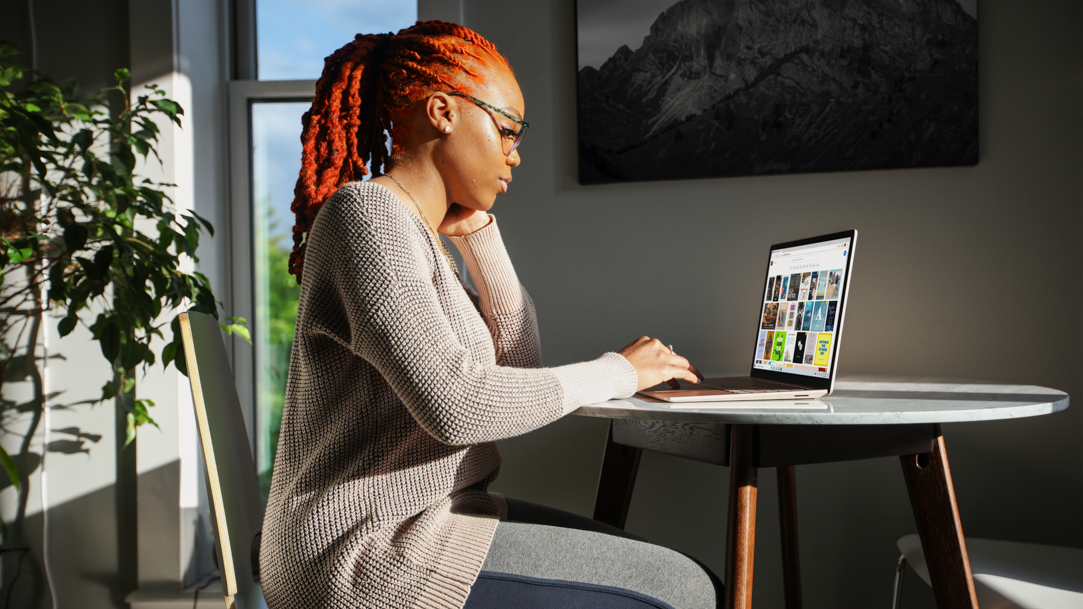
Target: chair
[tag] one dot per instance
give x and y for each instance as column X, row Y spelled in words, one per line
column 228, row 467
column 1009, row 574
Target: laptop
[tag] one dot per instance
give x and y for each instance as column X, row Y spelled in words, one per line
column 798, row 328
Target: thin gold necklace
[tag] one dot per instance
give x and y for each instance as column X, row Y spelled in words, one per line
column 425, row 219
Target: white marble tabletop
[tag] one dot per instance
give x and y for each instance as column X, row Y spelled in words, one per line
column 857, row 401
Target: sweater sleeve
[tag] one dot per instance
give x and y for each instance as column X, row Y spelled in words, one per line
column 382, row 280
column 504, row 303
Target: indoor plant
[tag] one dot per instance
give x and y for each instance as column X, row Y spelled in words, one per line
column 85, row 241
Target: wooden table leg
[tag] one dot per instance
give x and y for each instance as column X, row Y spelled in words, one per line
column 932, row 496
column 741, row 520
column 618, row 477
column 787, row 512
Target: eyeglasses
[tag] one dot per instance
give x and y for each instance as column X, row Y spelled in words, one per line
column 507, row 135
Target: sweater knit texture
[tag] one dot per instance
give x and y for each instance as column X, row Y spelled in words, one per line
column 401, row 380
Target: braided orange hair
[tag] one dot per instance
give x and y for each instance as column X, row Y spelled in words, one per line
column 364, row 84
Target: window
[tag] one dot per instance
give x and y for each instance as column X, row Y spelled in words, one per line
column 292, row 38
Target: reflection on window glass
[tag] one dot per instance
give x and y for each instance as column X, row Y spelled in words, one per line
column 276, row 161
column 294, row 36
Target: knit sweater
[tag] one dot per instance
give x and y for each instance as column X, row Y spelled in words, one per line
column 401, row 378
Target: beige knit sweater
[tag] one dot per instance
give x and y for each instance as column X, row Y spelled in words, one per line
column 400, row 381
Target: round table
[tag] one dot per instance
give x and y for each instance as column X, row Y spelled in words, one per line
column 863, row 418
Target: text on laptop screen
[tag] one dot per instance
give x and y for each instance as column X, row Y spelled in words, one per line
column 801, row 308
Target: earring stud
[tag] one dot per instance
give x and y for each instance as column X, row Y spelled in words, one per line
column 447, row 128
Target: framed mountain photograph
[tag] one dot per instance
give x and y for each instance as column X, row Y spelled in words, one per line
column 712, row 88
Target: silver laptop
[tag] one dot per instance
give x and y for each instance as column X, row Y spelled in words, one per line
column 798, row 329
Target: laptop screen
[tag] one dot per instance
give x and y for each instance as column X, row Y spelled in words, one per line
column 802, row 308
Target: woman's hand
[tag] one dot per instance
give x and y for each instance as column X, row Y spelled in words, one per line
column 655, row 363
column 460, row 221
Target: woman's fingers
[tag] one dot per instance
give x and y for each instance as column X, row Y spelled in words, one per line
column 695, row 371
column 656, row 362
column 686, row 374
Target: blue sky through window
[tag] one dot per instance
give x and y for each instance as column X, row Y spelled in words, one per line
column 294, row 36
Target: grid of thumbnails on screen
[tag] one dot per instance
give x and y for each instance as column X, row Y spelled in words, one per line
column 801, row 310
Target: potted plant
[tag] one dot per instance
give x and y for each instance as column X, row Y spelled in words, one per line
column 84, row 240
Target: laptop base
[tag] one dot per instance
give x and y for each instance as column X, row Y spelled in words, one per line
column 733, row 389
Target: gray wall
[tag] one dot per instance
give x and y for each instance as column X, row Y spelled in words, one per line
column 968, row 272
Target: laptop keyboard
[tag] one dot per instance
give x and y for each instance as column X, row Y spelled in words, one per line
column 747, row 384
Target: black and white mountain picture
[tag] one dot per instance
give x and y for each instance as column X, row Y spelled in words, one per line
column 710, row 88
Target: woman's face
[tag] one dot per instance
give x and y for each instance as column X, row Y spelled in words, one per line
column 475, row 166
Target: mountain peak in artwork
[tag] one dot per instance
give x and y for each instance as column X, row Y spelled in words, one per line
column 738, row 87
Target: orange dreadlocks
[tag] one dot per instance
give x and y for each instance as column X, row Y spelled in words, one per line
column 364, row 84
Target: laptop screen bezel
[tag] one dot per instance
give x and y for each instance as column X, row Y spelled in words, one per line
column 810, row 382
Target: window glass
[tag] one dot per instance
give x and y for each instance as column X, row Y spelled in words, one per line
column 294, row 36
column 276, row 161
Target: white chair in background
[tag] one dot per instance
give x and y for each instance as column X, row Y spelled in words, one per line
column 1009, row 574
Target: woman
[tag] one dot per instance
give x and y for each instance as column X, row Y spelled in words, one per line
column 401, row 378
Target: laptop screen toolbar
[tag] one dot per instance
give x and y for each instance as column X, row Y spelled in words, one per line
column 802, row 308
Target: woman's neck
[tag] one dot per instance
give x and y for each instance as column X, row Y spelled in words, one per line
column 425, row 184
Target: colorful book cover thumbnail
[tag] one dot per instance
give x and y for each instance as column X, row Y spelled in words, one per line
column 807, row 322
column 791, row 338
column 819, row 316
column 778, row 286
column 829, row 323
column 806, row 281
column 823, row 349
column 770, row 288
column 793, row 313
column 810, row 347
column 795, row 286
column 799, row 348
column 759, row 345
column 781, row 316
column 833, row 283
column 821, row 286
column 814, row 281
column 800, row 318
column 780, row 346
column 784, row 294
column 770, row 344
column 770, row 313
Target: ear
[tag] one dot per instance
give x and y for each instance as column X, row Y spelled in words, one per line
column 441, row 110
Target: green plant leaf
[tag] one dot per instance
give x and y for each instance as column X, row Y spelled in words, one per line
column 180, row 362
column 110, row 388
column 103, row 259
column 9, row 467
column 66, row 325
column 237, row 329
column 110, row 341
column 142, row 413
column 75, row 236
column 19, row 255
column 168, row 353
column 130, row 435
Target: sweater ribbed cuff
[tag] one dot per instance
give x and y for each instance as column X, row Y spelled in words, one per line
column 490, row 267
column 608, row 377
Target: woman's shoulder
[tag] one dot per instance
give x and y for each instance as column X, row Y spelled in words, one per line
column 364, row 200
column 365, row 217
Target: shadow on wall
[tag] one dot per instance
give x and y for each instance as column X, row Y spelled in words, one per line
column 85, row 537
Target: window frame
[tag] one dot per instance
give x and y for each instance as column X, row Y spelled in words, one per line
column 242, row 95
